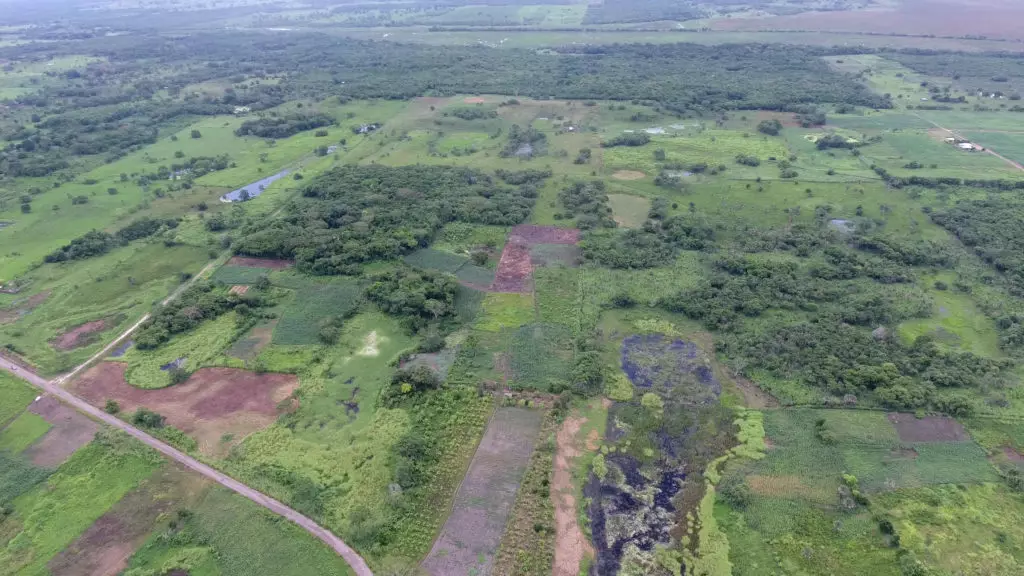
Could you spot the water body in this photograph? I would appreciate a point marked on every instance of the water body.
(255, 189)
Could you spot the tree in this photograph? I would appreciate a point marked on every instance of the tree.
(196, 135)
(770, 127)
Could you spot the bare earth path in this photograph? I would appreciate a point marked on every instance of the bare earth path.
(358, 565)
(954, 133)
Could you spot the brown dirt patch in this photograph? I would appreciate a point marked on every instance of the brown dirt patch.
(474, 100)
(69, 432)
(105, 547)
(593, 440)
(19, 309)
(956, 18)
(571, 546)
(776, 485)
(753, 395)
(532, 235)
(79, 335)
(928, 429)
(257, 339)
(212, 403)
(628, 175)
(515, 269)
(503, 365)
(472, 533)
(271, 263)
(1012, 455)
(239, 289)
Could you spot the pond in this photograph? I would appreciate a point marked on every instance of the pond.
(255, 189)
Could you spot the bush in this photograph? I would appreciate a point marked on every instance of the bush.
(146, 418)
(111, 407)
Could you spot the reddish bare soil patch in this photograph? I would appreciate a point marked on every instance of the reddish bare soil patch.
(19, 309)
(515, 268)
(1012, 455)
(470, 537)
(271, 263)
(212, 403)
(69, 432)
(105, 547)
(239, 289)
(753, 395)
(928, 429)
(628, 175)
(991, 18)
(79, 335)
(571, 546)
(787, 119)
(530, 235)
(474, 100)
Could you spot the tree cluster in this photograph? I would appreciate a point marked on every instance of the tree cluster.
(97, 242)
(355, 214)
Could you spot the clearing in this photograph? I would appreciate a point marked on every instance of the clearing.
(70, 431)
(212, 404)
(472, 533)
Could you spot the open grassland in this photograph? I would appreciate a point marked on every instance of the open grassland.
(1010, 145)
(955, 322)
(113, 291)
(55, 220)
(226, 535)
(22, 432)
(15, 395)
(51, 516)
(201, 347)
(539, 39)
(25, 77)
(314, 303)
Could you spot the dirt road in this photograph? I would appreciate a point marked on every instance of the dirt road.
(955, 134)
(358, 565)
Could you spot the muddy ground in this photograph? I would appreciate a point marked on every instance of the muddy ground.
(213, 403)
(470, 537)
(69, 432)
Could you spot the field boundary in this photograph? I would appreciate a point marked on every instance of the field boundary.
(451, 506)
(354, 560)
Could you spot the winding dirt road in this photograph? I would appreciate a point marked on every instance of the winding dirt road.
(355, 561)
(956, 134)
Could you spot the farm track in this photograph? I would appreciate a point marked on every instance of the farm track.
(55, 389)
(956, 134)
(358, 565)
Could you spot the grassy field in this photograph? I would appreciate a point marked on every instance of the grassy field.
(22, 432)
(51, 516)
(203, 346)
(117, 288)
(15, 395)
(227, 535)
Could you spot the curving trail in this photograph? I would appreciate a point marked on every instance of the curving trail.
(356, 562)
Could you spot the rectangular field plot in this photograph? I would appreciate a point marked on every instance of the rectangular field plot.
(1006, 144)
(313, 303)
(811, 449)
(470, 537)
(236, 275)
(430, 259)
